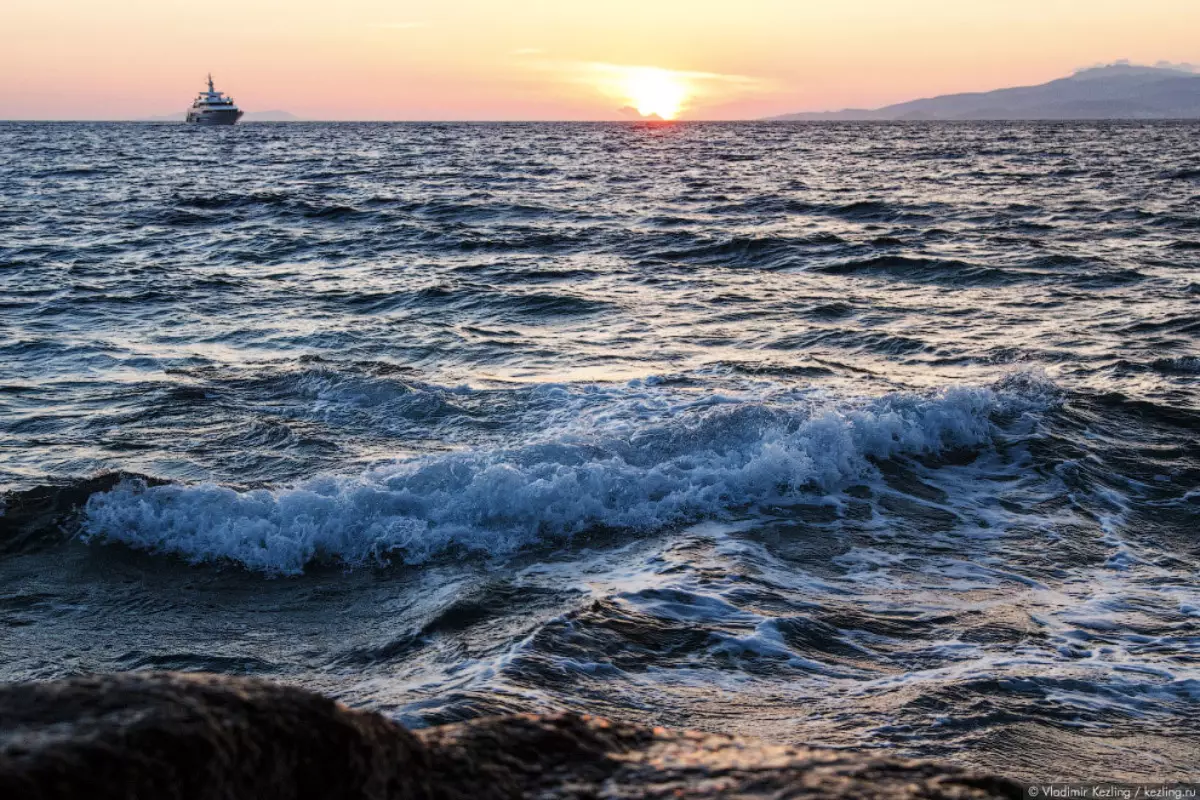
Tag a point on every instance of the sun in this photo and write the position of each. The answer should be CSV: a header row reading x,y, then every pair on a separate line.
x,y
655,92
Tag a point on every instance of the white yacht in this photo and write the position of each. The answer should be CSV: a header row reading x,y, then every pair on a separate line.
x,y
213,108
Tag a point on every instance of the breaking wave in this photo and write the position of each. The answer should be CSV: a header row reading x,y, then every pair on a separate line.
x,y
601,466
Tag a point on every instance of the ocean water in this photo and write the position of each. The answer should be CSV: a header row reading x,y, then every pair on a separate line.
x,y
864,436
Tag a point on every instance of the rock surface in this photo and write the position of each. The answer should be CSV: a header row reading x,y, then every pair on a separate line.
x,y
171,736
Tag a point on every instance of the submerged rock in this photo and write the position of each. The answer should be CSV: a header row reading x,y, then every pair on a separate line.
x,y
171,736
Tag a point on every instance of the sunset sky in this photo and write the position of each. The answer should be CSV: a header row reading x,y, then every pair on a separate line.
x,y
556,59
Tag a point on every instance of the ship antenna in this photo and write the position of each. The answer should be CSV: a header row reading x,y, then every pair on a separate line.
x,y
210,86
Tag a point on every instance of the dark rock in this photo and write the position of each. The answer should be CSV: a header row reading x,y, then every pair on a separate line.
x,y
168,736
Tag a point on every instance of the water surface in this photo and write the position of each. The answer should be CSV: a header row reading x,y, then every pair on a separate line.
x,y
874,436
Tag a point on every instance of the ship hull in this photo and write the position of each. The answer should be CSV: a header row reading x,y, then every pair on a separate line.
x,y
214,117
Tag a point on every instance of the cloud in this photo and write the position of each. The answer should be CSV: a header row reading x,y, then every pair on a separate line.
x,y
588,71
698,77
526,51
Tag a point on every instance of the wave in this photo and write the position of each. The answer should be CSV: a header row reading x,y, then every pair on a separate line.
x,y
32,518
537,305
1078,271
1182,365
525,239
874,210
633,459
951,272
767,252
269,200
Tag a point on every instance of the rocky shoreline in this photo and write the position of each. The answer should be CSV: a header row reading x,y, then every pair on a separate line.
x,y
171,736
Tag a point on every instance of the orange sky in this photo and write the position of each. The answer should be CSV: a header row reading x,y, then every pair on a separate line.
x,y
555,59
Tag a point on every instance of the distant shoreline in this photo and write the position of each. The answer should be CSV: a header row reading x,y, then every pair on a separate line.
x,y
1116,91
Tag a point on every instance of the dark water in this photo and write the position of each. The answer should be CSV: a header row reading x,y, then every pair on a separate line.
x,y
864,436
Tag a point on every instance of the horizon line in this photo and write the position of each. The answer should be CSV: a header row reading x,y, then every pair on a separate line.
x,y
779,119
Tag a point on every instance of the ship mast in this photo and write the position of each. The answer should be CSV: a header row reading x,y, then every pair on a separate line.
x,y
210,84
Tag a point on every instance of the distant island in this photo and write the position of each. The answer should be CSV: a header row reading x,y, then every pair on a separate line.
x,y
251,116
1116,91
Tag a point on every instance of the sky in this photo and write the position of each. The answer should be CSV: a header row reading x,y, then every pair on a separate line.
x,y
557,59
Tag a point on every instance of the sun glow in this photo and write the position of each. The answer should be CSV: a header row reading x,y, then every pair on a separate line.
x,y
655,92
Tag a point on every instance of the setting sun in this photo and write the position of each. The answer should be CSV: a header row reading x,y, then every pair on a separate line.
x,y
655,92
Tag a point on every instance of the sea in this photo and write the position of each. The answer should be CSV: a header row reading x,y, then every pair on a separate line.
x,y
881,437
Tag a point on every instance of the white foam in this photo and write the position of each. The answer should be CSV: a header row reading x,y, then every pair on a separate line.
x,y
635,458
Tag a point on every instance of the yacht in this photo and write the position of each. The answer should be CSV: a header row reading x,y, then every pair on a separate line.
x,y
213,108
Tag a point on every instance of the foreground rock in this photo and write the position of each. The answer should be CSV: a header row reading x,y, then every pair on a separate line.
x,y
171,736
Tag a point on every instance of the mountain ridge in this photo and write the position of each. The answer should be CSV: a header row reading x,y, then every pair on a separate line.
x,y
1116,91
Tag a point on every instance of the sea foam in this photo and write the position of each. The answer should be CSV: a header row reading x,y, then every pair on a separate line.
x,y
634,458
